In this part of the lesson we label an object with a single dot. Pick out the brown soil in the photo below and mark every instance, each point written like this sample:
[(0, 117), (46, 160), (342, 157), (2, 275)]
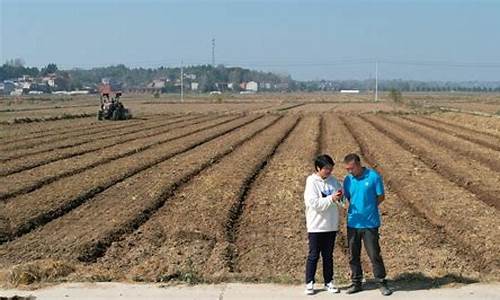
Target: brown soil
[(272, 238), (197, 237), (84, 159), (84, 234), (57, 198), (477, 124), (437, 155), (469, 224), (202, 192)]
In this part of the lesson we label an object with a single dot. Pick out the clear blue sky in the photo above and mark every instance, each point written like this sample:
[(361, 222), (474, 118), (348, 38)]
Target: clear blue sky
[(425, 40)]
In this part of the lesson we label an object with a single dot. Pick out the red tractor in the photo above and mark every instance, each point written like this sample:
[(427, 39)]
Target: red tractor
[(111, 109)]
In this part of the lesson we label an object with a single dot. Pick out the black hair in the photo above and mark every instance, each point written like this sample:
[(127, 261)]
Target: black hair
[(352, 157), (322, 161)]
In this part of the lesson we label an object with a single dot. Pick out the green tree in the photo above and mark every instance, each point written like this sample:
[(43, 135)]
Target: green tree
[(63, 81), (49, 69), (395, 96)]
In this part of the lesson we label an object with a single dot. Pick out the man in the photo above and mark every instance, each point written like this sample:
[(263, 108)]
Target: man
[(364, 190)]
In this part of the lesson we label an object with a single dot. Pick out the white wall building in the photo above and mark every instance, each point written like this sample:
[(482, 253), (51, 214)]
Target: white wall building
[(252, 86)]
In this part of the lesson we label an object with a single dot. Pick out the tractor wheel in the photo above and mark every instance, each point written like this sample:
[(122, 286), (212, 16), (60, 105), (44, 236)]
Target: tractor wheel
[(126, 114)]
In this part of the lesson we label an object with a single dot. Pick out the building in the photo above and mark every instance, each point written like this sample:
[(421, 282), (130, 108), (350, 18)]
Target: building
[(252, 86), (79, 92), (156, 84), (8, 87), (50, 80), (281, 86), (221, 86), (16, 92)]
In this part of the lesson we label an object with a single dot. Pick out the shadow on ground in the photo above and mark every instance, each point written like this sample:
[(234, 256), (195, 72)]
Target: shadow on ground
[(415, 281)]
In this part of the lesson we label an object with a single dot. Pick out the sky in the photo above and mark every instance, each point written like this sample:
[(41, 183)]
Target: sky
[(408, 39)]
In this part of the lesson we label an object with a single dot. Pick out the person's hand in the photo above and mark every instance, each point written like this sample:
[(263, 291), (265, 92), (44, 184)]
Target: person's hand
[(337, 196)]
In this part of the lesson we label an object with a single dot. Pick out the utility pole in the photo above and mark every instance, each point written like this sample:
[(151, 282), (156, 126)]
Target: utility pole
[(376, 81), (182, 81), (213, 52)]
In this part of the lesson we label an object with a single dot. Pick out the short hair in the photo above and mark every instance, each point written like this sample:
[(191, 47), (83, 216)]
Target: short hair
[(352, 157), (322, 161)]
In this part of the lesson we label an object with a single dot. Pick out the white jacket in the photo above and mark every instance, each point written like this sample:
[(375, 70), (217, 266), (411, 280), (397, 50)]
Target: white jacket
[(322, 214)]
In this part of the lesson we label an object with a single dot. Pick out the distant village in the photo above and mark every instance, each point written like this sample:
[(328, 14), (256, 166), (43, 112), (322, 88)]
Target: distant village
[(28, 85), (48, 84), (56, 85), (17, 80), (191, 84)]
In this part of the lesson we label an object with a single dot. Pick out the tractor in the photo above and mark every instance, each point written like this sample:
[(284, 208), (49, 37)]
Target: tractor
[(112, 109)]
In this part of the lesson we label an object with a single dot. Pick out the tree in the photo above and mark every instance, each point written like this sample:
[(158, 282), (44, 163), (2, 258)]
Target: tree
[(206, 84), (17, 62), (14, 69), (235, 78), (63, 81), (395, 95), (49, 69)]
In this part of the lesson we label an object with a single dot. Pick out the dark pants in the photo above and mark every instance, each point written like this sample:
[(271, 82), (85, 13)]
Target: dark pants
[(320, 242), (370, 237)]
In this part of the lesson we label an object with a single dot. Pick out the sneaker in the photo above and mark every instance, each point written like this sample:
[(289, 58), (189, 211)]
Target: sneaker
[(330, 287), (355, 287), (384, 289), (310, 288)]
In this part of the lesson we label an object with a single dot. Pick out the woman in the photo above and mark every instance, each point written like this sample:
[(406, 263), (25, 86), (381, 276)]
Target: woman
[(321, 196)]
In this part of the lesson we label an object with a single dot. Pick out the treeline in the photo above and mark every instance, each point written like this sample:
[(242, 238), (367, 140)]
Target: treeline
[(208, 77), (400, 85), (15, 68), (211, 78)]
